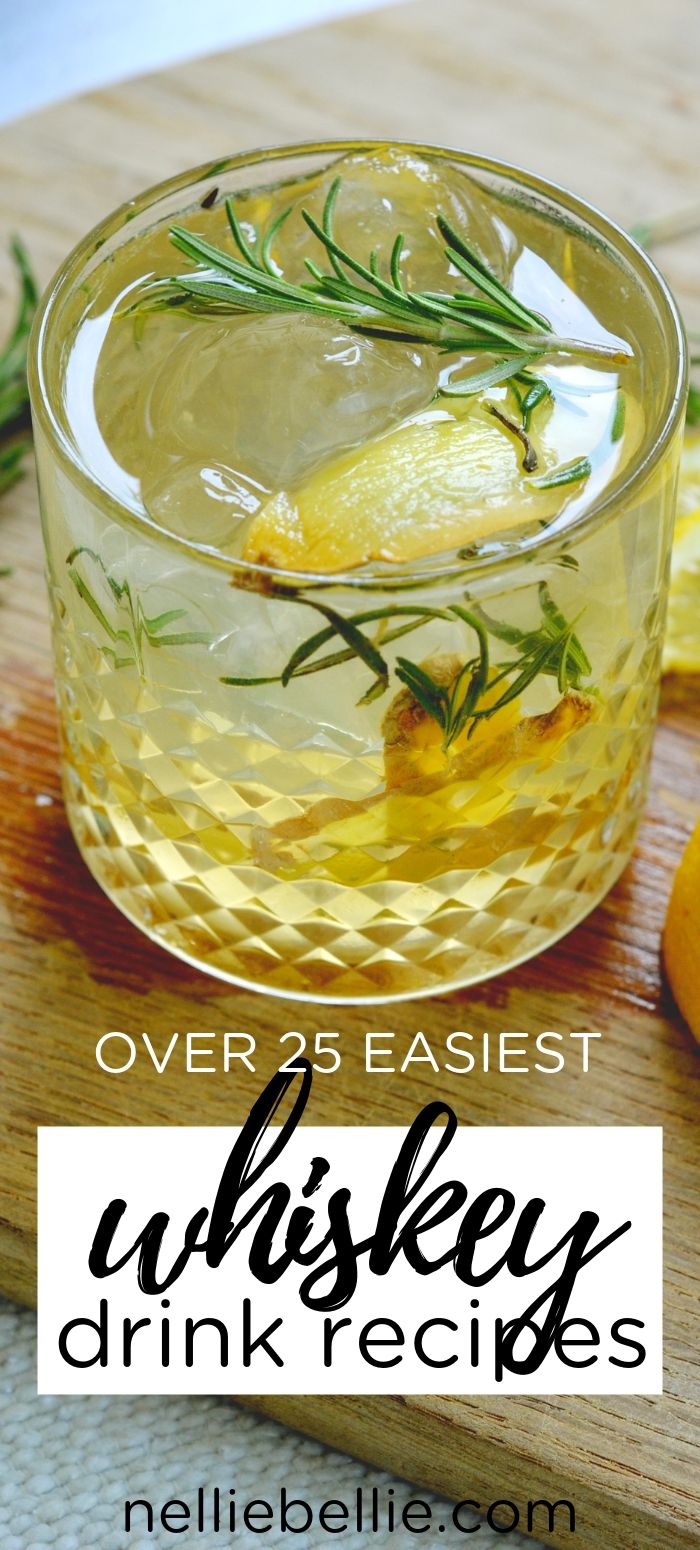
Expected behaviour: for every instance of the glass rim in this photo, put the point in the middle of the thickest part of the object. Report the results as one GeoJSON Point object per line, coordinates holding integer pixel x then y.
{"type": "Point", "coordinates": [411, 574]}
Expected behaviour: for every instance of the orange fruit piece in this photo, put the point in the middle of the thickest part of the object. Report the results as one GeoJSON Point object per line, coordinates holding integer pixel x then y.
{"type": "Point", "coordinates": [681, 939]}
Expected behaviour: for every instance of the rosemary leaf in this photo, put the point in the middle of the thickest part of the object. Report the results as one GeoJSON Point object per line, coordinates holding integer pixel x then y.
{"type": "Point", "coordinates": [562, 670]}
{"type": "Point", "coordinates": [431, 695]}
{"type": "Point", "coordinates": [349, 632]}
{"type": "Point", "coordinates": [14, 394]}
{"type": "Point", "coordinates": [568, 473]}
{"type": "Point", "coordinates": [509, 633]}
{"type": "Point", "coordinates": [692, 411]}
{"type": "Point", "coordinates": [267, 241]}
{"type": "Point", "coordinates": [491, 376]}
{"type": "Point", "coordinates": [472, 682]}
{"type": "Point", "coordinates": [549, 608]}
{"type": "Point", "coordinates": [328, 209]}
{"type": "Point", "coordinates": [160, 620]}
{"type": "Point", "coordinates": [395, 263]}
{"type": "Point", "coordinates": [374, 692]}
{"type": "Point", "coordinates": [248, 683]}
{"type": "Point", "coordinates": [537, 391]}
{"type": "Point", "coordinates": [84, 592]}
{"type": "Point", "coordinates": [184, 638]}
{"type": "Point", "coordinates": [307, 649]}
{"type": "Point", "coordinates": [618, 423]}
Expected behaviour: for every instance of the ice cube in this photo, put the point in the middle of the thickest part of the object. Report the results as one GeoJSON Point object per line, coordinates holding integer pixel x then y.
{"type": "Point", "coordinates": [392, 191]}
{"type": "Point", "coordinates": [275, 396]}
{"type": "Point", "coordinates": [205, 504]}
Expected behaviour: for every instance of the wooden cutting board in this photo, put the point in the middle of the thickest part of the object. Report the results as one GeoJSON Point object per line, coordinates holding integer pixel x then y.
{"type": "Point", "coordinates": [603, 98]}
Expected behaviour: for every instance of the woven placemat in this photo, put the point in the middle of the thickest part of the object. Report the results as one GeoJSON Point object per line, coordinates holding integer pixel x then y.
{"type": "Point", "coordinates": [67, 1465]}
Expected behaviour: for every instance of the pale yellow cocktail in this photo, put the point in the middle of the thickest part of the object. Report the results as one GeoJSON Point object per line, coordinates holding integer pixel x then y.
{"type": "Point", "coordinates": [357, 470]}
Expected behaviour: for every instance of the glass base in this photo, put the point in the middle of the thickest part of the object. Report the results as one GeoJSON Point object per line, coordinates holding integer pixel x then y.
{"type": "Point", "coordinates": [315, 958]}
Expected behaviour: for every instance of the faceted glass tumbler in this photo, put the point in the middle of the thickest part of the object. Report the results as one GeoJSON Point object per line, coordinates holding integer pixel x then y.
{"type": "Point", "coordinates": [270, 835]}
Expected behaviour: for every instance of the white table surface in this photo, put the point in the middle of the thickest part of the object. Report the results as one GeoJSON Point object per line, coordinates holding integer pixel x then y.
{"type": "Point", "coordinates": [54, 48]}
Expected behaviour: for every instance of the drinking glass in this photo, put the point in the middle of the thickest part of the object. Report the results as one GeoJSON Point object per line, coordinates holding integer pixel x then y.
{"type": "Point", "coordinates": [302, 837]}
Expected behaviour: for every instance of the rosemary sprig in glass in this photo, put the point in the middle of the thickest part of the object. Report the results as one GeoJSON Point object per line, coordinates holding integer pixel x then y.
{"type": "Point", "coordinates": [486, 318]}
{"type": "Point", "coordinates": [552, 648]}
{"type": "Point", "coordinates": [126, 649]}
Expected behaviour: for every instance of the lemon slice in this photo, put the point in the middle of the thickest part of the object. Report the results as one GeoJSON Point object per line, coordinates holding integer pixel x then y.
{"type": "Point", "coordinates": [437, 482]}
{"type": "Point", "coordinates": [689, 479]}
{"type": "Point", "coordinates": [682, 645]}
{"type": "Point", "coordinates": [681, 943]}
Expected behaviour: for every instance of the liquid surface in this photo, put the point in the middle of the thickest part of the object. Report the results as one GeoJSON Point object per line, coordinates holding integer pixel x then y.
{"type": "Point", "coordinates": [294, 441]}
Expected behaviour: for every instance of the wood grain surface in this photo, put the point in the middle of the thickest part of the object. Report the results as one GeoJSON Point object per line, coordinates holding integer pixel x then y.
{"type": "Point", "coordinates": [604, 99]}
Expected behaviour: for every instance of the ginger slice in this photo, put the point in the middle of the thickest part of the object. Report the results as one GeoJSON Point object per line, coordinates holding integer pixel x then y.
{"type": "Point", "coordinates": [425, 786]}
{"type": "Point", "coordinates": [413, 742]}
{"type": "Point", "coordinates": [530, 738]}
{"type": "Point", "coordinates": [449, 476]}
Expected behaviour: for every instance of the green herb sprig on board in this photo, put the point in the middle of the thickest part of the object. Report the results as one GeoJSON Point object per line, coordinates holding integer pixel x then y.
{"type": "Point", "coordinates": [671, 228]}
{"type": "Point", "coordinates": [14, 394]}
{"type": "Point", "coordinates": [692, 408]}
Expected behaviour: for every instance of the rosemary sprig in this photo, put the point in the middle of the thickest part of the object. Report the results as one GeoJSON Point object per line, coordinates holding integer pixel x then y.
{"type": "Point", "coordinates": [11, 463]}
{"type": "Point", "coordinates": [619, 417]}
{"type": "Point", "coordinates": [304, 659]}
{"type": "Point", "coordinates": [14, 394]}
{"type": "Point", "coordinates": [552, 648]}
{"type": "Point", "coordinates": [669, 228]}
{"type": "Point", "coordinates": [486, 319]}
{"type": "Point", "coordinates": [138, 626]}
